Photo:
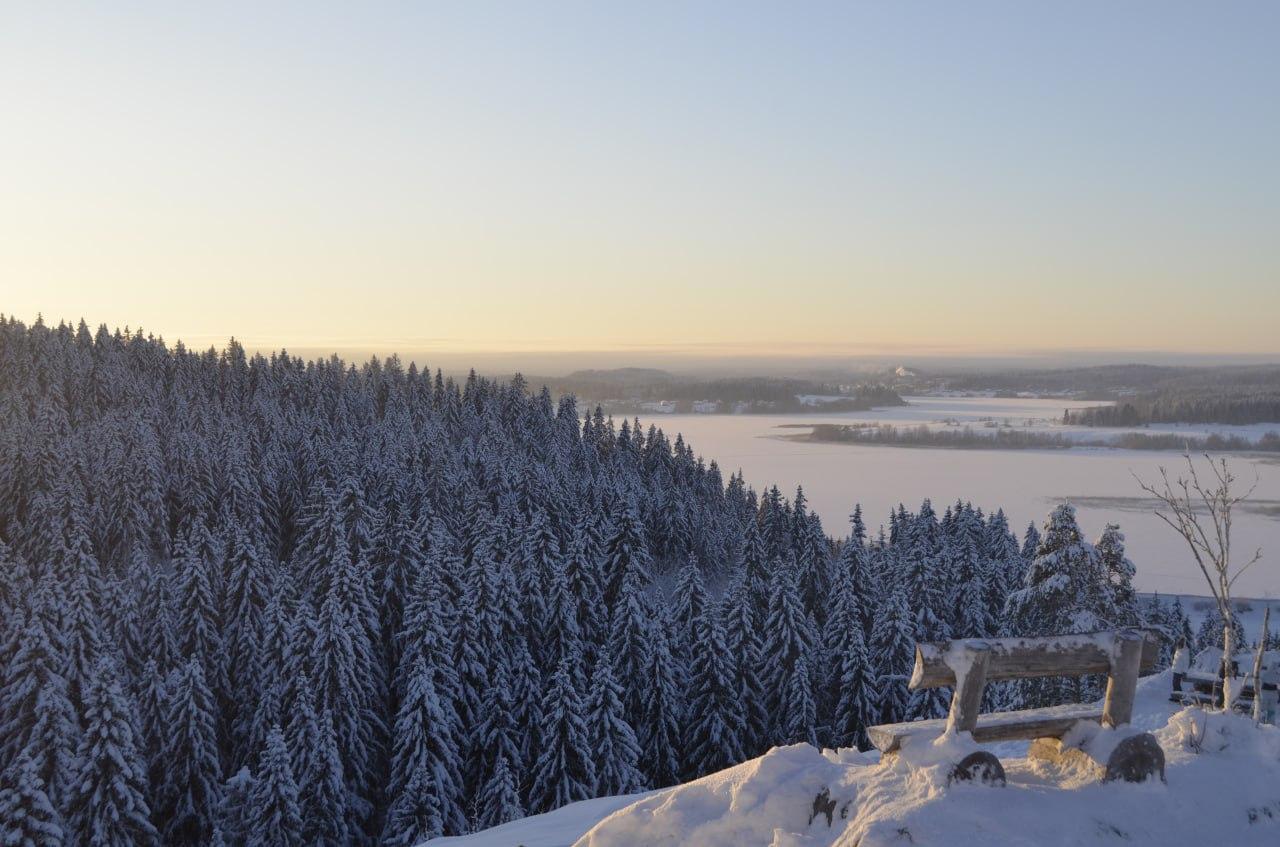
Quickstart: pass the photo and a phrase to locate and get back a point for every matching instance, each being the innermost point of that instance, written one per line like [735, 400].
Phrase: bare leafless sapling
[1201, 512]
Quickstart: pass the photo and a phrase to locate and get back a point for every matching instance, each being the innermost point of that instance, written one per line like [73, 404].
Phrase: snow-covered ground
[1227, 793]
[560, 828]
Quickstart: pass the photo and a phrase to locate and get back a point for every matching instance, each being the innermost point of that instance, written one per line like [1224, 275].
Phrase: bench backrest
[1026, 658]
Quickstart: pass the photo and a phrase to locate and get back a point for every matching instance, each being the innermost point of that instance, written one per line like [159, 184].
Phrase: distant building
[659, 407]
[819, 399]
[706, 407]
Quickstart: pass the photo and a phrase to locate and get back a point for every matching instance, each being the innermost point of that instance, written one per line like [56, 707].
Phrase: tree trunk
[1257, 667]
[1228, 653]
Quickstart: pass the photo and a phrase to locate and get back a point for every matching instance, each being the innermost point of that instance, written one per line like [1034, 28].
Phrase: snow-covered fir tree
[415, 815]
[498, 801]
[424, 752]
[317, 766]
[107, 798]
[742, 638]
[789, 636]
[893, 645]
[851, 682]
[565, 769]
[1120, 603]
[613, 740]
[711, 740]
[1065, 592]
[39, 720]
[274, 817]
[190, 788]
[27, 816]
[662, 713]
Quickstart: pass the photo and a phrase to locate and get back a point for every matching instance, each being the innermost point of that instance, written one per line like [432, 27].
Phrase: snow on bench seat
[1051, 722]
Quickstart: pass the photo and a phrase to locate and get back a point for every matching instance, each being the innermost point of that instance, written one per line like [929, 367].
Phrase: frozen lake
[1026, 483]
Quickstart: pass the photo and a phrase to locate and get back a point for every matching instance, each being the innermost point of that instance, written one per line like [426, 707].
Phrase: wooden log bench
[967, 665]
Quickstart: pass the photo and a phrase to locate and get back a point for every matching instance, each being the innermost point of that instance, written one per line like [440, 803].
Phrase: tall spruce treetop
[561, 639]
[714, 725]
[541, 562]
[743, 642]
[1121, 603]
[788, 633]
[856, 688]
[499, 800]
[414, 815]
[27, 818]
[1030, 542]
[659, 726]
[582, 575]
[565, 770]
[423, 741]
[893, 644]
[107, 802]
[755, 566]
[192, 790]
[38, 717]
[496, 736]
[274, 816]
[626, 553]
[629, 646]
[1063, 582]
[197, 607]
[317, 769]
[688, 603]
[612, 739]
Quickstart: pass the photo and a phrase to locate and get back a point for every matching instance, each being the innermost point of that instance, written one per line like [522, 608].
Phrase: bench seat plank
[1051, 722]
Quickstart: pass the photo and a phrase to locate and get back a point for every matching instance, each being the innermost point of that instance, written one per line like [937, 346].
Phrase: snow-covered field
[1228, 793]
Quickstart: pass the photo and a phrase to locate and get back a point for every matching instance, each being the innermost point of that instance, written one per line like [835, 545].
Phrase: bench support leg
[1122, 683]
[966, 700]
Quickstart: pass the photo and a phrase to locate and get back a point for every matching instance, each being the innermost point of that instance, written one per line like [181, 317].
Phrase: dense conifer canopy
[313, 602]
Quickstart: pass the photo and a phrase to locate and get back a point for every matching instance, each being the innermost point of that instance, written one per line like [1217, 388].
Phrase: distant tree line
[1000, 438]
[922, 435]
[257, 600]
[1179, 407]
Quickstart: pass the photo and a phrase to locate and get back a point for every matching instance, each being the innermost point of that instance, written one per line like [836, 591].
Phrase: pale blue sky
[968, 176]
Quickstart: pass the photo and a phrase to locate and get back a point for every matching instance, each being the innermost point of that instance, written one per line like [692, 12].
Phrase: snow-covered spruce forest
[264, 601]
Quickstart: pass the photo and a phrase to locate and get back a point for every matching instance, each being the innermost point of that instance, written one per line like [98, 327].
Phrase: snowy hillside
[1229, 793]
